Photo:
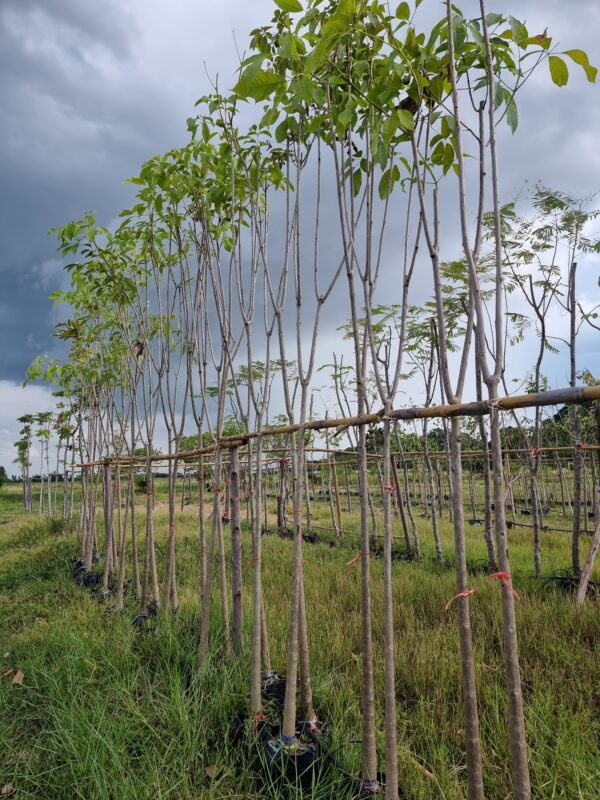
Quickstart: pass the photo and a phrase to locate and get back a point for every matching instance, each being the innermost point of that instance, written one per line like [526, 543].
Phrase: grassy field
[105, 712]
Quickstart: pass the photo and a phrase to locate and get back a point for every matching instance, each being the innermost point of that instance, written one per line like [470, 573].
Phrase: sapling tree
[562, 229]
[23, 459]
[495, 67]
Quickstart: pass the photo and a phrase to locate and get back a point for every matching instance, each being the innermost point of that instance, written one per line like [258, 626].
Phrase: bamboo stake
[568, 396]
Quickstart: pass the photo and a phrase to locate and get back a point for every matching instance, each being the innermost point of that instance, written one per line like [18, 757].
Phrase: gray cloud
[90, 90]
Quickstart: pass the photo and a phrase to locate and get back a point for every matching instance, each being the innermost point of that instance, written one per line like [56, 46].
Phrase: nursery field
[92, 707]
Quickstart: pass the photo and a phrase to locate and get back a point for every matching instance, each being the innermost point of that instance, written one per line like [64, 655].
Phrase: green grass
[106, 713]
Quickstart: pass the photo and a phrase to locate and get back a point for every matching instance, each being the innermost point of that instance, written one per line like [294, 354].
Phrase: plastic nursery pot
[87, 578]
[152, 608]
[225, 519]
[311, 538]
[398, 554]
[242, 724]
[564, 581]
[78, 563]
[295, 763]
[139, 620]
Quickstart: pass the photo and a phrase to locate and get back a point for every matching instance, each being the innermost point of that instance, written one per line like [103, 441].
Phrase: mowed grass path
[105, 712]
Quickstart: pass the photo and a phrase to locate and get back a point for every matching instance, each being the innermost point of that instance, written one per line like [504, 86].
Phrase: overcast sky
[89, 90]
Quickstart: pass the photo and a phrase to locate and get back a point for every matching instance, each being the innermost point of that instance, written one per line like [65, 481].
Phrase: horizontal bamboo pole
[409, 455]
[569, 396]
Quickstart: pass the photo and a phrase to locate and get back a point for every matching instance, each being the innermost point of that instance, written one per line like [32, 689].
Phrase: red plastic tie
[389, 488]
[536, 451]
[216, 489]
[258, 718]
[505, 578]
[467, 593]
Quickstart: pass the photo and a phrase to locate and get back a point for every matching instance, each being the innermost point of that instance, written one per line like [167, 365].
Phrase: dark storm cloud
[88, 90]
[50, 162]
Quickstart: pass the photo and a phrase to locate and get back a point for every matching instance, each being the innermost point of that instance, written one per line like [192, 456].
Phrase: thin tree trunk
[236, 553]
[336, 489]
[401, 508]
[108, 525]
[469, 686]
[201, 525]
[122, 526]
[391, 743]
[518, 740]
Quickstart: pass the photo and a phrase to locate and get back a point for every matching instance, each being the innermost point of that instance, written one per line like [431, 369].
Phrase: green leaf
[405, 119]
[289, 5]
[493, 19]
[437, 156]
[319, 54]
[581, 58]
[304, 89]
[259, 85]
[498, 95]
[388, 179]
[270, 116]
[459, 32]
[281, 131]
[384, 184]
[512, 115]
[519, 32]
[347, 7]
[192, 125]
[403, 11]
[558, 71]
[448, 158]
[345, 116]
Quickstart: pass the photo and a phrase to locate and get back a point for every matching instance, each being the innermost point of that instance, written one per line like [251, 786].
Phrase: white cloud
[15, 401]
